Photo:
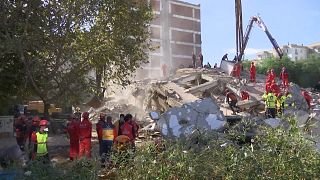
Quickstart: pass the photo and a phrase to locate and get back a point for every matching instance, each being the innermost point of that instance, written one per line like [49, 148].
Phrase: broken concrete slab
[181, 121]
[273, 122]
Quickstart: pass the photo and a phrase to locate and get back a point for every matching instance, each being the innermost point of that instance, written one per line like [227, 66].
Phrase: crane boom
[260, 23]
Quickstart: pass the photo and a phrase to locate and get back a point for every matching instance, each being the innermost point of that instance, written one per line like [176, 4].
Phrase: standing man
[272, 76]
[201, 59]
[127, 129]
[274, 88]
[232, 101]
[73, 131]
[107, 138]
[270, 100]
[20, 128]
[225, 57]
[85, 136]
[252, 72]
[99, 129]
[40, 139]
[284, 76]
[194, 59]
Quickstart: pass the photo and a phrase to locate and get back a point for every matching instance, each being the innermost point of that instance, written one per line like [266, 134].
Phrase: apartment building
[293, 51]
[176, 33]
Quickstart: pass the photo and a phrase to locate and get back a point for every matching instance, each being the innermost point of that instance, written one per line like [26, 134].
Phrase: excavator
[242, 40]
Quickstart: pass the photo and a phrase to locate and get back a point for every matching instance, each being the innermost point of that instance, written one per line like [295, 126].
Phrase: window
[296, 51]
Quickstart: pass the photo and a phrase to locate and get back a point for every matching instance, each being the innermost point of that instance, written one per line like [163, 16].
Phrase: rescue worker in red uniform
[108, 134]
[40, 140]
[85, 130]
[272, 75]
[253, 72]
[275, 89]
[127, 129]
[268, 84]
[99, 129]
[244, 95]
[20, 128]
[307, 97]
[232, 101]
[73, 131]
[284, 76]
[237, 70]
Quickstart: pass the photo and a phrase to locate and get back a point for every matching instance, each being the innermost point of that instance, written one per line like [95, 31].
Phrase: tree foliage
[56, 44]
[305, 73]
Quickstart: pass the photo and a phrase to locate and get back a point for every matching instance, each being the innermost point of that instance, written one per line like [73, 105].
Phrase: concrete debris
[273, 122]
[181, 121]
[12, 154]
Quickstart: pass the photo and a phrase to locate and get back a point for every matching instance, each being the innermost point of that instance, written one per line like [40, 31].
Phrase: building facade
[175, 34]
[293, 51]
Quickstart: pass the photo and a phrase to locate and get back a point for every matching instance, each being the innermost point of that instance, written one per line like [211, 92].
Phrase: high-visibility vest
[270, 99]
[42, 139]
[108, 132]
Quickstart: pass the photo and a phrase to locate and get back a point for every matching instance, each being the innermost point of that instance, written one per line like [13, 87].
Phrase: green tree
[60, 42]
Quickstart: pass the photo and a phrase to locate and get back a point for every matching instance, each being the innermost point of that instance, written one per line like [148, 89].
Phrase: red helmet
[85, 115]
[43, 123]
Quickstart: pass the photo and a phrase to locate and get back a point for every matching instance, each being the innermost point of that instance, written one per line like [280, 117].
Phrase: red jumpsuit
[308, 98]
[285, 78]
[253, 73]
[245, 95]
[268, 84]
[127, 130]
[236, 71]
[272, 76]
[20, 128]
[275, 88]
[73, 131]
[85, 130]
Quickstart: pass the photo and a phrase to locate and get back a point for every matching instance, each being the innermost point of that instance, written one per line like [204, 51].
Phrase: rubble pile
[194, 99]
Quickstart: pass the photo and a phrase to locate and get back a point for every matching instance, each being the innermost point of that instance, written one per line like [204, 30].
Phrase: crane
[242, 41]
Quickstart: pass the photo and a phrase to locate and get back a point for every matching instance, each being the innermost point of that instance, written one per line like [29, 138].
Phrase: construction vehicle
[242, 41]
[38, 106]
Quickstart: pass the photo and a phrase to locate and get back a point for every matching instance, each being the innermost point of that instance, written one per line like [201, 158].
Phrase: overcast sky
[293, 21]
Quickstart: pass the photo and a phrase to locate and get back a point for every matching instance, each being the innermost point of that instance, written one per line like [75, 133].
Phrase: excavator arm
[260, 23]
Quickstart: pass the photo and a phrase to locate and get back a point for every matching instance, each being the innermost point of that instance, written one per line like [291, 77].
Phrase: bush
[275, 154]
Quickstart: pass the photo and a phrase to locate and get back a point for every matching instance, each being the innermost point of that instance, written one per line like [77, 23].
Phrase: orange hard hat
[85, 115]
[43, 123]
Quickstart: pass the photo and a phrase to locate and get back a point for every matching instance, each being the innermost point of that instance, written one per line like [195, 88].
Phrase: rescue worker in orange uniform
[237, 70]
[73, 131]
[244, 95]
[284, 76]
[307, 97]
[40, 140]
[99, 129]
[85, 131]
[253, 72]
[20, 128]
[108, 134]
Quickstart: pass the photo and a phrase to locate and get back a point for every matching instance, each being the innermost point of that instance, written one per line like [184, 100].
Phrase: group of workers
[36, 132]
[275, 95]
[121, 132]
